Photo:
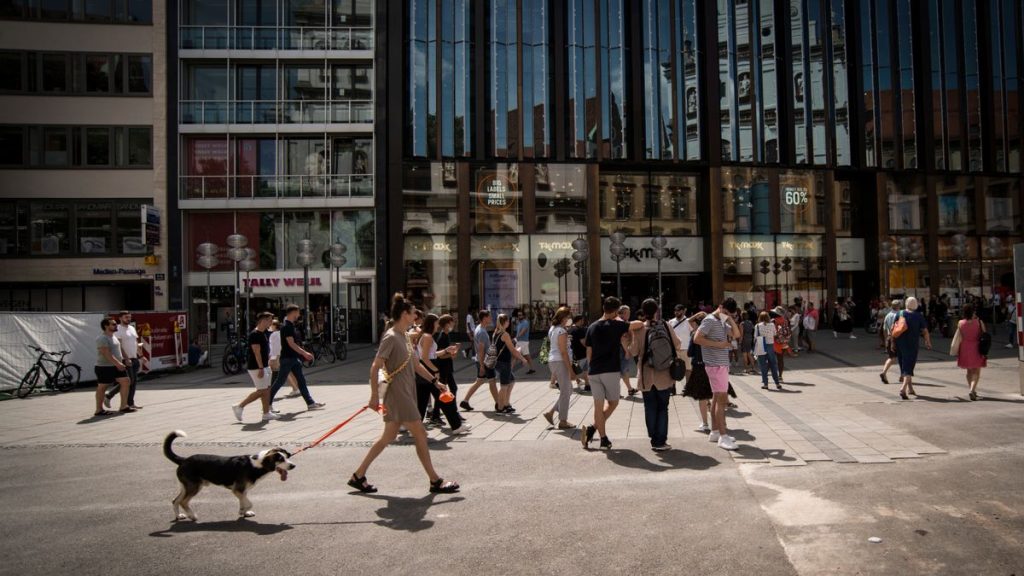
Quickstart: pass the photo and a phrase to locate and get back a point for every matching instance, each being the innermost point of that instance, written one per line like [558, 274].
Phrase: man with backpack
[657, 346]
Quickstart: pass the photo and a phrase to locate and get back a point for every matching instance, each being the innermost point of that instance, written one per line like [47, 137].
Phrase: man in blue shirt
[523, 339]
[481, 341]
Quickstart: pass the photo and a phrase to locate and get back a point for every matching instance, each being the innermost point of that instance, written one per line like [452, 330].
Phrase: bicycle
[341, 347]
[321, 349]
[234, 357]
[64, 377]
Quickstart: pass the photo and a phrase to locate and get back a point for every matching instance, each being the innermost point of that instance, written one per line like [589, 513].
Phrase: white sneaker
[315, 406]
[238, 412]
[852, 337]
[1008, 346]
[270, 416]
[727, 443]
[462, 430]
[835, 335]
[702, 428]
[714, 436]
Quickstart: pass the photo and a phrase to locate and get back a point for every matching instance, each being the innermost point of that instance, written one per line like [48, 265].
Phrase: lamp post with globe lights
[305, 259]
[208, 259]
[237, 253]
[658, 243]
[338, 259]
[248, 265]
[618, 251]
[958, 246]
[579, 256]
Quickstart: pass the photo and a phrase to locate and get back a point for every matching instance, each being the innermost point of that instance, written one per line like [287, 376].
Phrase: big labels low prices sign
[684, 255]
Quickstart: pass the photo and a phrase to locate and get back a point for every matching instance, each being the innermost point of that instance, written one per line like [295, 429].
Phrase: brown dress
[400, 394]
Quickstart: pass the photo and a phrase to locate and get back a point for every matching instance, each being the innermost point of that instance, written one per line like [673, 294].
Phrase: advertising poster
[165, 339]
[500, 287]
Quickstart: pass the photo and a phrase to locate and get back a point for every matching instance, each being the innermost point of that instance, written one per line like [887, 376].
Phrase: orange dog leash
[333, 430]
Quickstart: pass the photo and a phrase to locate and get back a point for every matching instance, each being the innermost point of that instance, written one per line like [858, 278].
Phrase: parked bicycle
[321, 349]
[233, 361]
[63, 378]
[341, 346]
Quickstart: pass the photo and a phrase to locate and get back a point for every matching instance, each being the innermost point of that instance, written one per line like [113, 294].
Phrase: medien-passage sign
[684, 255]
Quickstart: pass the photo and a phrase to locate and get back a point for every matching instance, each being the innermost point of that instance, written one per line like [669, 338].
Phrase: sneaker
[509, 410]
[238, 412]
[606, 444]
[531, 371]
[315, 406]
[662, 448]
[586, 435]
[727, 443]
[462, 430]
[294, 395]
[550, 417]
[274, 410]
[852, 337]
[106, 402]
[1008, 347]
[764, 386]
[270, 416]
[437, 422]
[465, 406]
[714, 436]
[702, 428]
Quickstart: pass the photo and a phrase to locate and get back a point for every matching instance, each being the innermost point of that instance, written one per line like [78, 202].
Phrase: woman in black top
[444, 362]
[506, 347]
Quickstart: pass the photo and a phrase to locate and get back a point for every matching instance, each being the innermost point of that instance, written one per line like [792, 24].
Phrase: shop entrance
[686, 289]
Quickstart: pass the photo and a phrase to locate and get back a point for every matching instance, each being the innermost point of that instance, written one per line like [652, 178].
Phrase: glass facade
[835, 127]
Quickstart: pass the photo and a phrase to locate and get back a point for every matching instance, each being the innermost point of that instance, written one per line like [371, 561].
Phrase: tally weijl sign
[684, 255]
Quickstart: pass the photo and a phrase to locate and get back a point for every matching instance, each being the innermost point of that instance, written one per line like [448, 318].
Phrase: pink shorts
[719, 378]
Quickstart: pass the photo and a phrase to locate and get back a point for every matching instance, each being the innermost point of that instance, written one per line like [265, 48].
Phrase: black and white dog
[236, 473]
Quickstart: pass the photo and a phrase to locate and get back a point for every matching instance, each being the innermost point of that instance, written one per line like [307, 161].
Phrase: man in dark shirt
[257, 362]
[606, 341]
[292, 355]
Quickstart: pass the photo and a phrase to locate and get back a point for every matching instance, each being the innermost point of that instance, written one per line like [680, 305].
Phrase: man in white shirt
[469, 352]
[682, 329]
[131, 347]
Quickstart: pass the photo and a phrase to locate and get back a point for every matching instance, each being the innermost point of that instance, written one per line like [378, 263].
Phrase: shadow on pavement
[240, 525]
[673, 458]
[797, 384]
[94, 419]
[407, 514]
[740, 434]
[777, 454]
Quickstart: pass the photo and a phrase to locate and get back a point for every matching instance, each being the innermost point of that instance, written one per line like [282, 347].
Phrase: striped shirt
[713, 329]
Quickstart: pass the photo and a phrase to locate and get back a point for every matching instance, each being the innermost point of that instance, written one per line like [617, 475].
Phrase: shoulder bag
[984, 340]
[954, 346]
[900, 327]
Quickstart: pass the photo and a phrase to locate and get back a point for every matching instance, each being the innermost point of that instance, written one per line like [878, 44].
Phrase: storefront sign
[151, 225]
[285, 282]
[501, 287]
[767, 246]
[850, 254]
[685, 254]
[118, 272]
[495, 193]
[164, 337]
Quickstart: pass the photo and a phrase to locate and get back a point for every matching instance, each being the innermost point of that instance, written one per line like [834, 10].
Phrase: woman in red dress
[969, 357]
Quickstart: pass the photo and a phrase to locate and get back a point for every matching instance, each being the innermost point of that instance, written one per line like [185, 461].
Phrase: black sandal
[103, 413]
[439, 486]
[361, 484]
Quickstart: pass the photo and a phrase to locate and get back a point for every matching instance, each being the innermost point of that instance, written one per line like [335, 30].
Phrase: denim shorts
[504, 371]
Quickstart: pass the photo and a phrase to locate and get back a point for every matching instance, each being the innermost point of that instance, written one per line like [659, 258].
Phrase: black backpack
[660, 350]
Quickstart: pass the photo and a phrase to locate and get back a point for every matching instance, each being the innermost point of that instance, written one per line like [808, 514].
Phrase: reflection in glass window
[352, 83]
[140, 74]
[496, 200]
[353, 12]
[536, 79]
[582, 86]
[885, 97]
[674, 205]
[430, 198]
[956, 204]
[560, 197]
[801, 202]
[840, 90]
[867, 79]
[622, 203]
[670, 79]
[614, 60]
[908, 123]
[800, 81]
[93, 228]
[51, 228]
[431, 273]
[972, 84]
[129, 228]
[908, 204]
[97, 146]
[55, 72]
[315, 226]
[354, 229]
[746, 201]
[937, 94]
[1002, 205]
[503, 65]
[206, 12]
[98, 72]
[952, 86]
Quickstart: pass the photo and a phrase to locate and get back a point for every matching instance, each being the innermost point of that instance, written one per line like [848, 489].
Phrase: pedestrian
[968, 356]
[560, 363]
[131, 347]
[890, 347]
[628, 363]
[747, 342]
[843, 319]
[523, 339]
[258, 365]
[445, 359]
[481, 341]
[683, 330]
[764, 350]
[274, 339]
[470, 351]
[795, 326]
[110, 369]
[577, 334]
[427, 353]
[1011, 321]
[908, 343]
[507, 354]
[607, 340]
[655, 344]
[713, 338]
[292, 355]
[697, 384]
[782, 334]
[396, 359]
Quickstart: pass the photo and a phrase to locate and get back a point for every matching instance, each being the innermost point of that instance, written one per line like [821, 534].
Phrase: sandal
[127, 410]
[103, 413]
[361, 484]
[439, 486]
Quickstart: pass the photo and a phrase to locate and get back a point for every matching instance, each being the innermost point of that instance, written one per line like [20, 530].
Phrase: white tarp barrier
[74, 331]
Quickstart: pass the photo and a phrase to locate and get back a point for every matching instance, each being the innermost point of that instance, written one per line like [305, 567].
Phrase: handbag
[984, 341]
[760, 342]
[954, 346]
[900, 327]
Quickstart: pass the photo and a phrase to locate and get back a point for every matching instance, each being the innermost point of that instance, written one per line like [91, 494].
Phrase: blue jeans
[291, 366]
[656, 411]
[766, 360]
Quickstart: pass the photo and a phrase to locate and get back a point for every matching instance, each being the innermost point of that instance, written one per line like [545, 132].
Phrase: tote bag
[760, 342]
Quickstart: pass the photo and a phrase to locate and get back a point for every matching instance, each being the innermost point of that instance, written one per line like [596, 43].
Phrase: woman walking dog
[396, 358]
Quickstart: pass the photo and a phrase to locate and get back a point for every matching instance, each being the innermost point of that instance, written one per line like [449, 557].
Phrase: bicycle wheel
[327, 353]
[28, 382]
[67, 378]
[341, 350]
[231, 364]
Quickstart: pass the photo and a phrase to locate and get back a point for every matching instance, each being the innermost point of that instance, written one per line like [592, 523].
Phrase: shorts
[504, 371]
[109, 374]
[523, 347]
[484, 373]
[261, 383]
[628, 367]
[605, 387]
[581, 366]
[718, 376]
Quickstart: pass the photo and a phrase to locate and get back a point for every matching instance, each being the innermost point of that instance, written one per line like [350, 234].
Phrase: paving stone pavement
[824, 413]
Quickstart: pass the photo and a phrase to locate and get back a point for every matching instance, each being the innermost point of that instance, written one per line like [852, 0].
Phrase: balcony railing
[276, 112]
[274, 38]
[324, 186]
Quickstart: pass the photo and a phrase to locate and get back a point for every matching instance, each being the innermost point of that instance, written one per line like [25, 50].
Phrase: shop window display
[561, 197]
[496, 200]
[430, 198]
[431, 269]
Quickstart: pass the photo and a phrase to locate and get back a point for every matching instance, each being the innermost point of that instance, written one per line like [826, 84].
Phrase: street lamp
[993, 250]
[765, 269]
[208, 259]
[959, 248]
[248, 265]
[658, 243]
[579, 256]
[787, 265]
[305, 259]
[338, 260]
[618, 252]
[885, 248]
[237, 253]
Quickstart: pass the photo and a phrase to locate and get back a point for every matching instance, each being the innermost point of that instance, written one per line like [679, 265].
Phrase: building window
[98, 72]
[12, 146]
[55, 72]
[95, 11]
[561, 197]
[77, 74]
[671, 107]
[97, 146]
[51, 147]
[908, 203]
[140, 74]
[94, 228]
[430, 198]
[51, 228]
[496, 200]
[11, 76]
[355, 229]
[140, 147]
